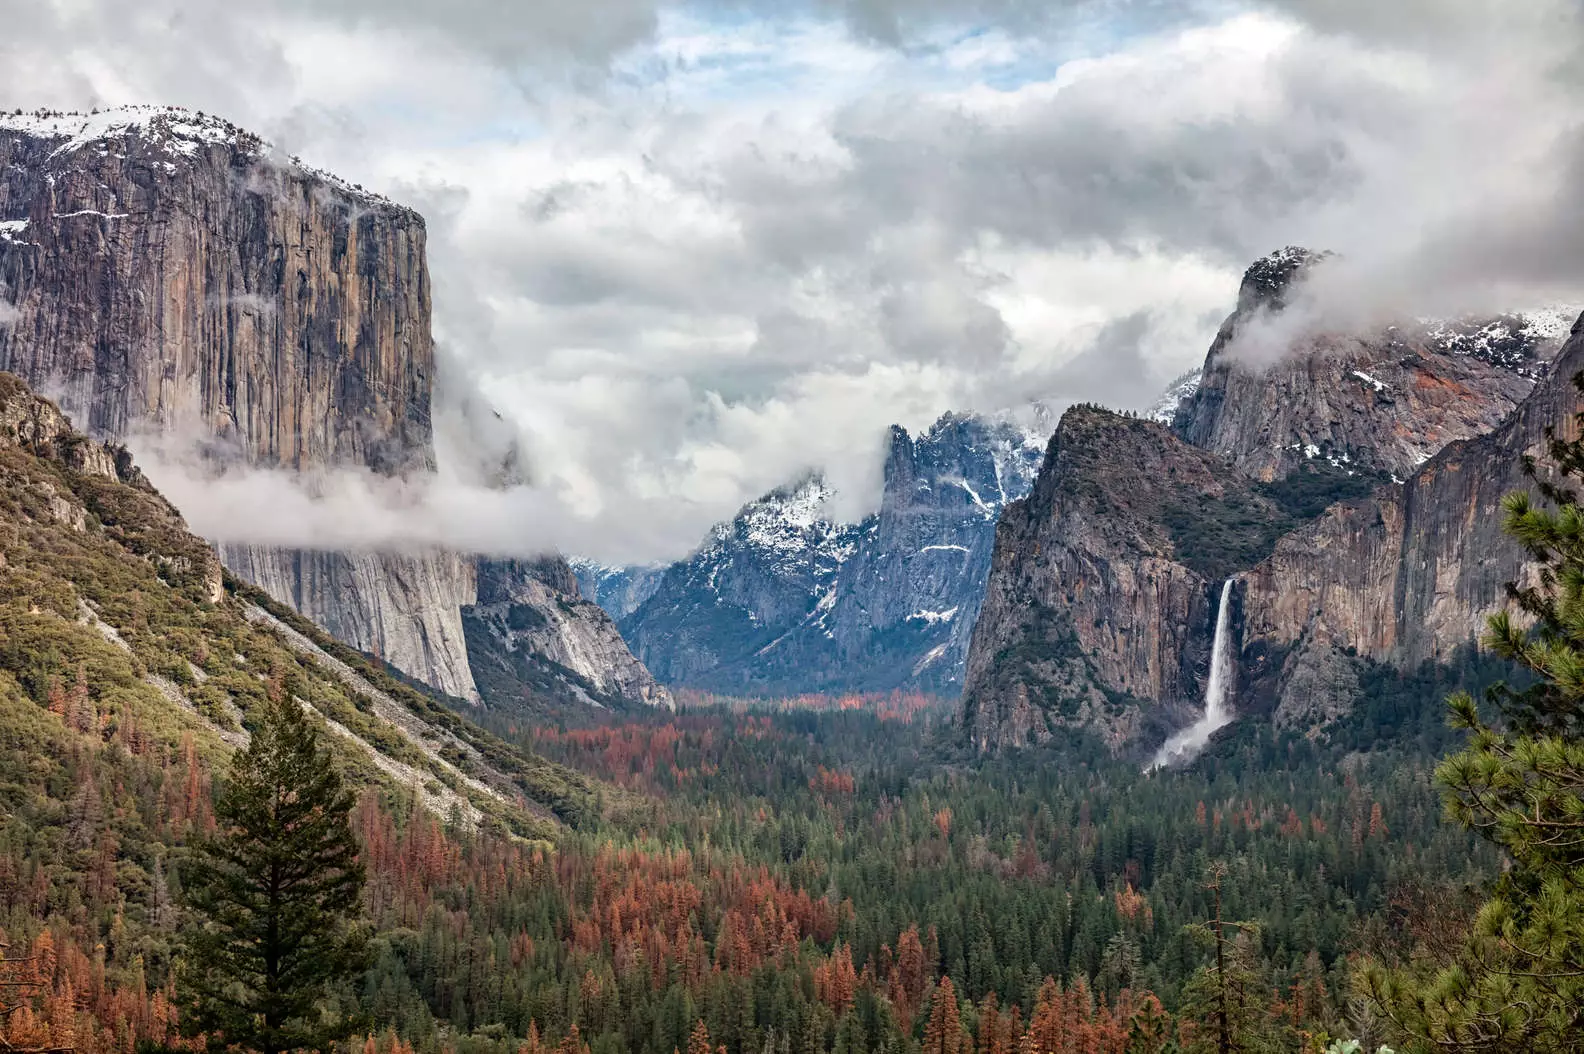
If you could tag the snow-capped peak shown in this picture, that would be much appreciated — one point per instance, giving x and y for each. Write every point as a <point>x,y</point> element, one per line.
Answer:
<point>1522,342</point>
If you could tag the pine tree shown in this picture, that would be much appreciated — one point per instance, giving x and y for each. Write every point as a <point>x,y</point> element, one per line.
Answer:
<point>1225,997</point>
<point>943,1032</point>
<point>274,894</point>
<point>1518,981</point>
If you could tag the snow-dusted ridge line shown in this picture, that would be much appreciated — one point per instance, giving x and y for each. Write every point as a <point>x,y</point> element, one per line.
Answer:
<point>178,131</point>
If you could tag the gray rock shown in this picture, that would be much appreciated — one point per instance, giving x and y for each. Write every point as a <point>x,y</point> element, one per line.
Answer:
<point>165,270</point>
<point>783,599</point>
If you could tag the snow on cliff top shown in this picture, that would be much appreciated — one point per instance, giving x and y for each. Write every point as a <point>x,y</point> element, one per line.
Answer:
<point>1181,390</point>
<point>178,131</point>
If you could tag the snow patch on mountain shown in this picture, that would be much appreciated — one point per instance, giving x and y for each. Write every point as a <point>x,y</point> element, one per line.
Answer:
<point>1521,342</point>
<point>1178,392</point>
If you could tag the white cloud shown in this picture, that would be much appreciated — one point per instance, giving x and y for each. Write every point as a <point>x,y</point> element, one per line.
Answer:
<point>691,252</point>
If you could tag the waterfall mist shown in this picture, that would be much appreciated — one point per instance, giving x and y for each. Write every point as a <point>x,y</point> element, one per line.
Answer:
<point>1190,741</point>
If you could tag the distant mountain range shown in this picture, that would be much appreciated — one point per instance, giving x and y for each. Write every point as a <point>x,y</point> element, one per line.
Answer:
<point>785,599</point>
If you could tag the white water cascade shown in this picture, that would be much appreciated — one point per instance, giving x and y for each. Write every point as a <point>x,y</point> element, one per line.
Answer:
<point>1191,740</point>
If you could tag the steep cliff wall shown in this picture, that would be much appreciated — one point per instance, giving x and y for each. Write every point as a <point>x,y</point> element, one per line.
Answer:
<point>1410,573</point>
<point>1097,612</point>
<point>1100,607</point>
<point>1382,402</point>
<point>167,272</point>
<point>533,640</point>
<point>911,593</point>
<point>163,271</point>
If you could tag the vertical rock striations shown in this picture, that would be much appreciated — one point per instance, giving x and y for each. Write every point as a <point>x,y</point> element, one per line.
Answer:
<point>1101,603</point>
<point>1410,573</point>
<point>163,271</point>
<point>166,272</point>
<point>533,640</point>
<point>1095,616</point>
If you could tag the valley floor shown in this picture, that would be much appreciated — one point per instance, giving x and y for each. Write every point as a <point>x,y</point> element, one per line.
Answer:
<point>806,876</point>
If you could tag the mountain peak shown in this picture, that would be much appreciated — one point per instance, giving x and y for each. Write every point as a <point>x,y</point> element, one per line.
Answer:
<point>1267,279</point>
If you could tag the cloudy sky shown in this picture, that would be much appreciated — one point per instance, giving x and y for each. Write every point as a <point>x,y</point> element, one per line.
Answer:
<point>690,250</point>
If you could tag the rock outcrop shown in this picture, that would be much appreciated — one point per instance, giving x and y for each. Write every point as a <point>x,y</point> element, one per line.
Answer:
<point>1381,402</point>
<point>1101,603</point>
<point>166,272</point>
<point>784,599</point>
<point>533,640</point>
<point>1410,573</point>
<point>1288,478</point>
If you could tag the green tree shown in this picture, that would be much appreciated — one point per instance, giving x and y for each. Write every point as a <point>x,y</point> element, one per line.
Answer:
<point>1517,982</point>
<point>274,894</point>
<point>1226,997</point>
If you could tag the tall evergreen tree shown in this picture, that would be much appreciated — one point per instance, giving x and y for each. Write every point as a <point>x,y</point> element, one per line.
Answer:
<point>1226,997</point>
<point>1517,983</point>
<point>274,894</point>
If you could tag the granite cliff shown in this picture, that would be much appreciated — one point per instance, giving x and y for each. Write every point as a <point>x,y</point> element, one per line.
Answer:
<point>1408,574</point>
<point>1102,593</point>
<point>165,272</point>
<point>533,639</point>
<point>1351,489</point>
<point>1381,402</point>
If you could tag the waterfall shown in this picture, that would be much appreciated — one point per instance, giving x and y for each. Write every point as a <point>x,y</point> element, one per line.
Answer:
<point>1191,740</point>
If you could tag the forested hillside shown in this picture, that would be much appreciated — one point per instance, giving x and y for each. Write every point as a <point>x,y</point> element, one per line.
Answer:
<point>787,877</point>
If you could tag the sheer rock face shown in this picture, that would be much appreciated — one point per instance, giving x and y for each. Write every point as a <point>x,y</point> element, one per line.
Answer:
<point>1093,617</point>
<point>1411,573</point>
<point>1099,608</point>
<point>406,609</point>
<point>1384,402</point>
<point>166,272</point>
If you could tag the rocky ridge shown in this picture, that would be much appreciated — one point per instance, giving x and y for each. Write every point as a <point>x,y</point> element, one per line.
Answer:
<point>1382,402</point>
<point>102,585</point>
<point>1351,489</point>
<point>784,599</point>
